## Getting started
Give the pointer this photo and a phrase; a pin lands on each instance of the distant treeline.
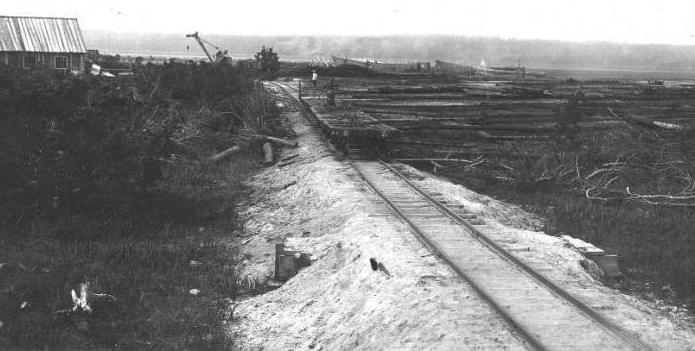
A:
(496, 51)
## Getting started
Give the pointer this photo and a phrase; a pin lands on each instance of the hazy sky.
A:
(636, 21)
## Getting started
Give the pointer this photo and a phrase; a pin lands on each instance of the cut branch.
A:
(588, 195)
(282, 141)
(224, 154)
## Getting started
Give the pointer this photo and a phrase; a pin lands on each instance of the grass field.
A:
(150, 267)
(156, 241)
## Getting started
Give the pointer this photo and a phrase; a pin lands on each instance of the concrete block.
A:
(609, 265)
(582, 246)
(288, 262)
(286, 267)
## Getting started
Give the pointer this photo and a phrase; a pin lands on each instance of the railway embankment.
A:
(319, 203)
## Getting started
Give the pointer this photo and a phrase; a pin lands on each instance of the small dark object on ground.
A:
(288, 185)
(285, 163)
(378, 266)
(287, 158)
(382, 268)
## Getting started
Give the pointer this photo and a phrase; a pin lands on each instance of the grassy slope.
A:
(148, 270)
(149, 256)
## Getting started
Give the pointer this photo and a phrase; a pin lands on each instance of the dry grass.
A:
(654, 242)
(145, 265)
(148, 257)
(255, 112)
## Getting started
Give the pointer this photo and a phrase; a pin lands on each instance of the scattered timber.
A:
(289, 157)
(285, 163)
(449, 67)
(483, 134)
(224, 154)
(282, 141)
(432, 160)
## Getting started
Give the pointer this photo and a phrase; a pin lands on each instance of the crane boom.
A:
(200, 42)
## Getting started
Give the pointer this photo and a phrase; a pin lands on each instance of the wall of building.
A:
(75, 62)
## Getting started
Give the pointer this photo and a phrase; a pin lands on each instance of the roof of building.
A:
(41, 34)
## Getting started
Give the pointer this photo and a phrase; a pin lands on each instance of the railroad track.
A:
(546, 316)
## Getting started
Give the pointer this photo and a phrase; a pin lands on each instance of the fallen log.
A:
(268, 153)
(224, 154)
(287, 158)
(431, 160)
(546, 127)
(484, 134)
(646, 122)
(285, 163)
(405, 140)
(282, 141)
(661, 196)
(288, 185)
(244, 242)
(665, 125)
(479, 161)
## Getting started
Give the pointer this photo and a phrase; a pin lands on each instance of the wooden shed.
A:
(42, 42)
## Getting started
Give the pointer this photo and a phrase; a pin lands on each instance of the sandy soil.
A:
(663, 326)
(339, 302)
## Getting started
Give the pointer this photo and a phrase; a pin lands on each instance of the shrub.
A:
(94, 145)
(103, 175)
(72, 143)
(203, 82)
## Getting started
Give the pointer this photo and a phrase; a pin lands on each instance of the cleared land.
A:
(606, 160)
(320, 204)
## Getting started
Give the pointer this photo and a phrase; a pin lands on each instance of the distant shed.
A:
(42, 42)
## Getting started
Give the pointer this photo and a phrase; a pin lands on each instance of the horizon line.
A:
(624, 43)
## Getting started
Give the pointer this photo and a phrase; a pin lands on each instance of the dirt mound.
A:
(339, 302)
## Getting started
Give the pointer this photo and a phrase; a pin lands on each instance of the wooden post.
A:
(279, 250)
(268, 152)
(435, 166)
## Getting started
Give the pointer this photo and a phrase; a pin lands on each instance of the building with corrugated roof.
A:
(42, 42)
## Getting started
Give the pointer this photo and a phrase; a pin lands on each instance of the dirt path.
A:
(339, 302)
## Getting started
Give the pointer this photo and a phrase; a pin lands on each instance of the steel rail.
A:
(609, 326)
(527, 335)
